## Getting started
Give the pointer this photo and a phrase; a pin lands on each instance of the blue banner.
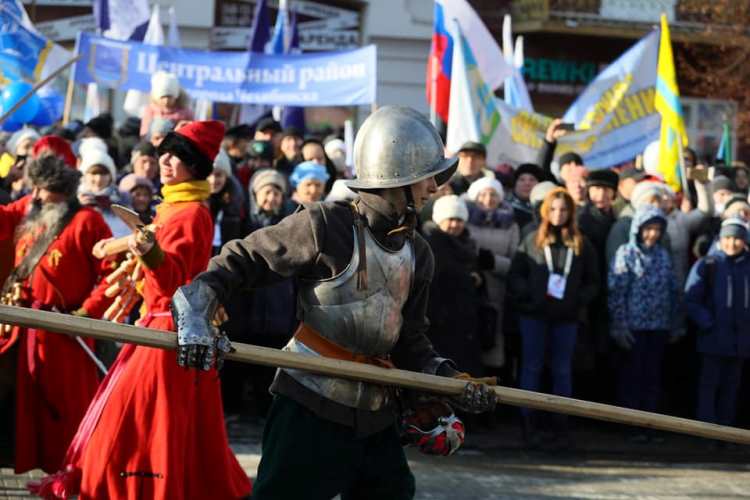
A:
(345, 78)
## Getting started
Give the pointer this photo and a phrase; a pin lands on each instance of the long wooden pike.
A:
(73, 325)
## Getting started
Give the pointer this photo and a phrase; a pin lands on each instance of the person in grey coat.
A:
(492, 226)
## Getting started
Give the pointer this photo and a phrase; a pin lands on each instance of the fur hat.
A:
(266, 176)
(101, 125)
(483, 183)
(57, 146)
(90, 144)
(604, 178)
(449, 207)
(163, 83)
(161, 126)
(95, 157)
(51, 173)
(196, 144)
(528, 168)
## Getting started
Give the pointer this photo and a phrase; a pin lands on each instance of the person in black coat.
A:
(454, 293)
(553, 278)
(226, 203)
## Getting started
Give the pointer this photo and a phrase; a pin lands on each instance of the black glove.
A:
(486, 260)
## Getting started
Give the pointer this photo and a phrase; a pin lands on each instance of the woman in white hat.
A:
(168, 101)
(98, 188)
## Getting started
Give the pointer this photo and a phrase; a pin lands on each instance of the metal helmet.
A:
(397, 146)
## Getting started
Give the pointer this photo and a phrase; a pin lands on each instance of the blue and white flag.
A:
(122, 19)
(25, 54)
(260, 35)
(515, 92)
(615, 116)
(135, 100)
(336, 78)
(293, 116)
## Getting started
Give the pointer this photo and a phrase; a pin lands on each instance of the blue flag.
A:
(260, 29)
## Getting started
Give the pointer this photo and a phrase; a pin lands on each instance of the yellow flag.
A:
(667, 101)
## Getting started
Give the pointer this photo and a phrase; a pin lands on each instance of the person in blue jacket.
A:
(643, 301)
(717, 297)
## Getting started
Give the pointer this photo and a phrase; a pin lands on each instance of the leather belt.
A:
(329, 349)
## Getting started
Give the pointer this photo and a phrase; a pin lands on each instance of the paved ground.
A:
(494, 465)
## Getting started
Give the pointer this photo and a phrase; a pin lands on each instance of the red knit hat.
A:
(205, 135)
(58, 146)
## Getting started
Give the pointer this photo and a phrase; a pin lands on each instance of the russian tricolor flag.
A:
(489, 56)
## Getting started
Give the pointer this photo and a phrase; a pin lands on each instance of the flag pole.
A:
(683, 171)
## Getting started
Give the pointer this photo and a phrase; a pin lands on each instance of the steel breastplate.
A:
(362, 321)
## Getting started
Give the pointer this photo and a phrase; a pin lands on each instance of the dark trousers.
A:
(641, 371)
(718, 387)
(305, 456)
(539, 337)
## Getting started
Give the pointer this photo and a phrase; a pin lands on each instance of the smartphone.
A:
(570, 127)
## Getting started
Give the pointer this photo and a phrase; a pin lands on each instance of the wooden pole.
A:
(103, 330)
(36, 87)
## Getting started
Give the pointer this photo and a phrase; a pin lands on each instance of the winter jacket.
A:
(529, 276)
(642, 287)
(454, 298)
(595, 225)
(460, 184)
(228, 212)
(523, 213)
(682, 227)
(717, 300)
(495, 231)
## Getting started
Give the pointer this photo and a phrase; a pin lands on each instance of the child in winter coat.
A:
(642, 304)
(168, 101)
(717, 297)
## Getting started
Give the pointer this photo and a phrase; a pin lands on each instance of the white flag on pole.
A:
(135, 100)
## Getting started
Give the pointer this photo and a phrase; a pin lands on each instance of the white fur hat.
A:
(163, 83)
(96, 157)
(222, 162)
(449, 207)
(18, 137)
(483, 183)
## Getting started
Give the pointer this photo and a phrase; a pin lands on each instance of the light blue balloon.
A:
(13, 93)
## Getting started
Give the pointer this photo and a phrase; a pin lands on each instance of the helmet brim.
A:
(442, 173)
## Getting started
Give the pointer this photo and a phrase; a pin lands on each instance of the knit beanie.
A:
(222, 162)
(483, 183)
(266, 176)
(96, 157)
(570, 157)
(88, 144)
(18, 137)
(540, 192)
(734, 227)
(161, 126)
(164, 84)
(645, 190)
(132, 181)
(721, 183)
(308, 170)
(101, 125)
(449, 207)
(734, 205)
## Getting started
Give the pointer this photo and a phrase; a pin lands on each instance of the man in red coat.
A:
(55, 377)
(155, 430)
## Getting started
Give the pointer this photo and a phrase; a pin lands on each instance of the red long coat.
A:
(156, 430)
(55, 378)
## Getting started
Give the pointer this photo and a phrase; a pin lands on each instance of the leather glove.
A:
(622, 337)
(478, 395)
(485, 260)
(200, 342)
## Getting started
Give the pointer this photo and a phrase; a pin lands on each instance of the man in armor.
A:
(363, 278)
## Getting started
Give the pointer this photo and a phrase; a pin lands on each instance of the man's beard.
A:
(42, 216)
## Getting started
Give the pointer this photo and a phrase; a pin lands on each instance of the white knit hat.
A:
(163, 83)
(18, 137)
(483, 183)
(90, 144)
(96, 157)
(221, 162)
(449, 207)
(646, 189)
